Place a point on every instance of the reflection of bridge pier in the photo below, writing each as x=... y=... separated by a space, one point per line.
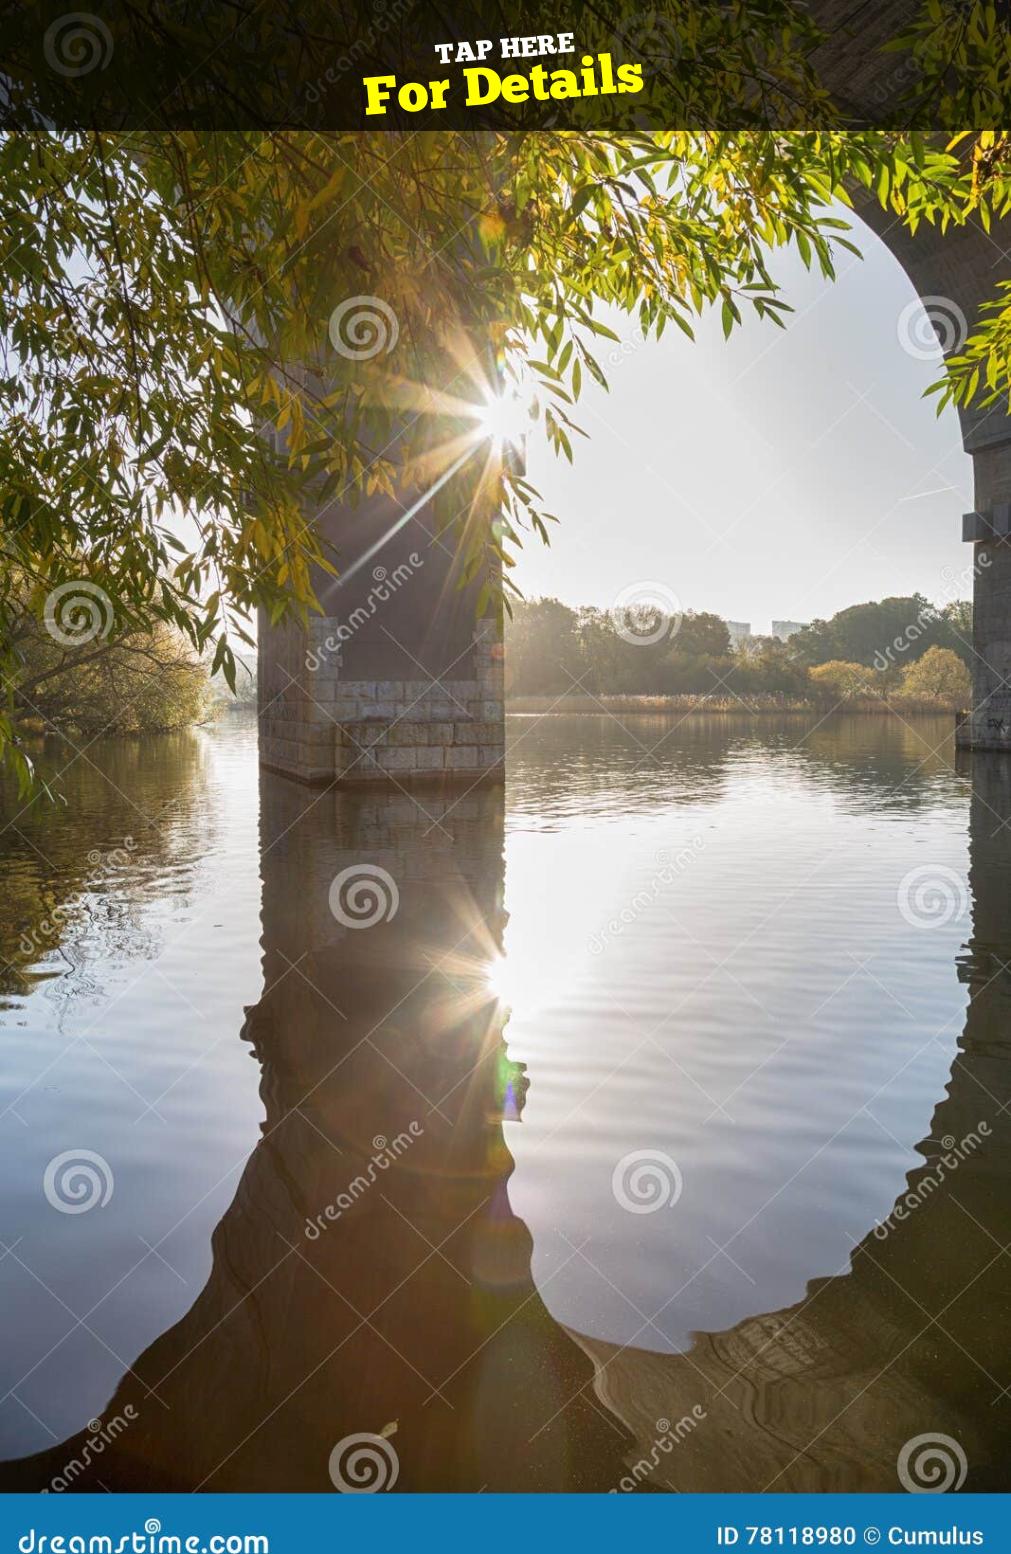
x=913 y=1337
x=370 y=1270
x=339 y=1304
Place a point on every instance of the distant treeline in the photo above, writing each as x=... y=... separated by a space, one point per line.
x=897 y=647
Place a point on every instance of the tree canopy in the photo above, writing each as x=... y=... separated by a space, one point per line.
x=206 y=336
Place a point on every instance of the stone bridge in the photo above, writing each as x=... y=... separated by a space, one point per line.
x=412 y=688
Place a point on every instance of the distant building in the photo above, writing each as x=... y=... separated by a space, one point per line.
x=784 y=630
x=740 y=634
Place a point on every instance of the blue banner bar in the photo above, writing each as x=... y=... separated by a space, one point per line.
x=288 y=1524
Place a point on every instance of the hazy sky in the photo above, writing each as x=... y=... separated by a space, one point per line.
x=778 y=474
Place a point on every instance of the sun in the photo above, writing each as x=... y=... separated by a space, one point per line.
x=503 y=418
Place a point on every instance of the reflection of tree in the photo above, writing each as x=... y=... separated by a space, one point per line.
x=882 y=763
x=416 y=1304
x=653 y=762
x=79 y=864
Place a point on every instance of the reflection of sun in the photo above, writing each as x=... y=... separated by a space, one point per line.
x=498 y=980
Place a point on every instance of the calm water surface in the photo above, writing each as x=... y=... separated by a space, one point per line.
x=600 y=1126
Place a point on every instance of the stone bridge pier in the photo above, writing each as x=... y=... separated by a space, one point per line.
x=398 y=680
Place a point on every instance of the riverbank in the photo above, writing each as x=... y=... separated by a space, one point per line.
x=761 y=705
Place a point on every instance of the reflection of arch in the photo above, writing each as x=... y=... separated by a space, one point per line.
x=414 y=1305
x=358 y=1033
x=256 y=1332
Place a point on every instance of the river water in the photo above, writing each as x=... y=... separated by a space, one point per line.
x=643 y=1126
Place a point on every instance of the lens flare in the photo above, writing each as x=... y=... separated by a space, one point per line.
x=503 y=418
